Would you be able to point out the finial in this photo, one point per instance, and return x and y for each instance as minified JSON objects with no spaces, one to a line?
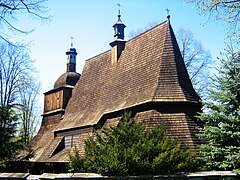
{"x":168,"y":15}
{"x":71,"y":41}
{"x":119,"y":12}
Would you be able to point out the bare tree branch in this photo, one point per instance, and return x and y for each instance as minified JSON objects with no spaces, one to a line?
{"x":197,"y":60}
{"x":18,"y":87}
{"x":10,"y":10}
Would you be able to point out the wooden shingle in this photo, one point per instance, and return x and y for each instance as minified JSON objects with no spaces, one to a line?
{"x":150,"y":69}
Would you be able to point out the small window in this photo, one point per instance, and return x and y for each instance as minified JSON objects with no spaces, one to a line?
{"x":70,"y":140}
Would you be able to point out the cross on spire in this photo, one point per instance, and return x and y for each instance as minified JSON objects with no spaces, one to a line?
{"x":168,"y":13}
{"x":71,"y":41}
{"x":119,"y":12}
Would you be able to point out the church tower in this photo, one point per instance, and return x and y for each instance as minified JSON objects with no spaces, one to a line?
{"x":56,"y":100}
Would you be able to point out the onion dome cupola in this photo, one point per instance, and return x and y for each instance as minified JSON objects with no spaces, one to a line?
{"x":56,"y":100}
{"x":71,"y":76}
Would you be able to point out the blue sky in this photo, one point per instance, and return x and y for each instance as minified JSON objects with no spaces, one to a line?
{"x":90,"y":24}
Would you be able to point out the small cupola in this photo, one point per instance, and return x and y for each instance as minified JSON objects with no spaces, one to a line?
{"x":119,"y":28}
{"x":71,"y":59}
{"x":118,"y":44}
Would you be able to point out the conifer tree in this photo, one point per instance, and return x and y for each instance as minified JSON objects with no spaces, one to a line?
{"x":9,"y":144}
{"x":221,"y":132}
{"x":130,"y":149}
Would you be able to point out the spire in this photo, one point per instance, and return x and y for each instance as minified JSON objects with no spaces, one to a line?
{"x":119,"y":27}
{"x":71,"y":58}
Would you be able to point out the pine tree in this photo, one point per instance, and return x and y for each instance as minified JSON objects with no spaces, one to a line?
{"x":8,"y":127}
{"x":130,"y":149}
{"x":221,"y":131}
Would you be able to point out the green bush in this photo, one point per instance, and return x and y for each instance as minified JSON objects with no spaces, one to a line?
{"x":75,"y":162}
{"x":130,"y":149}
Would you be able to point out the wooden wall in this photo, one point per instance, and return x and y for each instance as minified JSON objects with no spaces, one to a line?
{"x":57,"y":99}
{"x":53,"y":101}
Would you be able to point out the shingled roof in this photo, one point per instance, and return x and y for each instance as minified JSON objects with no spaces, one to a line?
{"x":150,"y":69}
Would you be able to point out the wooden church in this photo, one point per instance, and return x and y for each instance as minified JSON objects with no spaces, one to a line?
{"x":145,"y":75}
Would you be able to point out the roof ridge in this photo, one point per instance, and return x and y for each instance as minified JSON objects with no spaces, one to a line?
{"x":98,"y":55}
{"x":147,"y":30}
{"x":164,"y":41}
{"x":190,"y":93}
{"x":129,"y":40}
